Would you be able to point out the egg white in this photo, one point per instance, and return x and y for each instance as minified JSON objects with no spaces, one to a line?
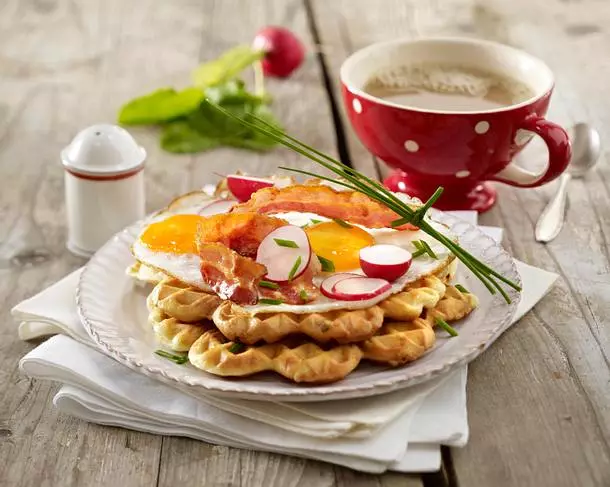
{"x":186,"y":267}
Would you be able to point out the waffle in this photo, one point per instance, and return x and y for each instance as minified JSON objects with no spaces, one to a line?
{"x":343,"y":326}
{"x":454,"y":306}
{"x":184,"y":302}
{"x":174,"y":334}
{"x":297,"y":361}
{"x":409,"y":304}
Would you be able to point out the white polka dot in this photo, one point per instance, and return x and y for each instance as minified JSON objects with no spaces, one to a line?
{"x":357,"y":105}
{"x":462,"y":174}
{"x":411,"y":146}
{"x":522,"y":137}
{"x":481,"y":127}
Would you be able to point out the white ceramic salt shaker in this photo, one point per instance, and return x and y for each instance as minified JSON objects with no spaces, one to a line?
{"x":104,"y":182}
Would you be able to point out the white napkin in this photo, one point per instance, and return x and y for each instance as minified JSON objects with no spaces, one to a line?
{"x":370,"y":434}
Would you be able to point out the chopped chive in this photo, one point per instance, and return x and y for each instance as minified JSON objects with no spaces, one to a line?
{"x":446,"y":326}
{"x":269,"y":284}
{"x":237,"y":347}
{"x":305,"y":226}
{"x":295,"y":268}
{"x":286,"y":243}
{"x":179,"y":359}
{"x":270,"y":301}
{"x":417,"y":253}
{"x":343,"y":223}
{"x":461,"y":288}
{"x":417,"y":244}
{"x":303,"y":295}
{"x":314,"y":221}
{"x":327,"y":265}
{"x":428,"y":249}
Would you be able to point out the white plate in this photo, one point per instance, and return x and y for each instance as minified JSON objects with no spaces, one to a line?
{"x":113,"y":310}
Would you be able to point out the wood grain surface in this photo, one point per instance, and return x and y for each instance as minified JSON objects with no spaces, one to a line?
{"x":539,"y":399}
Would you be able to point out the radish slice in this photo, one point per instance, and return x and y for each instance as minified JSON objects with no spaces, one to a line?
{"x":385,"y":261}
{"x":359,"y":288}
{"x":284,"y":52}
{"x":242,"y":187}
{"x":217,"y":207}
{"x":328,"y":284}
{"x":285,"y":253}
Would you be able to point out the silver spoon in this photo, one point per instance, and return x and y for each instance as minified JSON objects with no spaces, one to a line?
{"x":585,"y":153}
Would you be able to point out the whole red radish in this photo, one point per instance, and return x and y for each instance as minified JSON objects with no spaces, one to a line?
{"x":242,"y":187}
{"x":284,"y":52}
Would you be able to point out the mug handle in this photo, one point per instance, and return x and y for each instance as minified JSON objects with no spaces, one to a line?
{"x":560,"y":152}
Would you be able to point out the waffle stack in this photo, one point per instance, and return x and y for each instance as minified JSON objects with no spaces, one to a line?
{"x":225,"y":339}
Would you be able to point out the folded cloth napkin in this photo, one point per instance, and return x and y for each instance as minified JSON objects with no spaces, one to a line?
{"x":400,"y":431}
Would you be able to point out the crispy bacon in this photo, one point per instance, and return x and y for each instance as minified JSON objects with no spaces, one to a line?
{"x":229,"y":274}
{"x":242,"y":232}
{"x":351,"y":206}
{"x":291,"y":292}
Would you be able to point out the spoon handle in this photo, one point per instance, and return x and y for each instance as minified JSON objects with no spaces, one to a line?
{"x":551,"y":220}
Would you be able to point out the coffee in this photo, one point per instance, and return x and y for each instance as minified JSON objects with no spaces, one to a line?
{"x":446,"y":87}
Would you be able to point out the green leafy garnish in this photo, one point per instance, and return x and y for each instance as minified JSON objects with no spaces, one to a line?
{"x":422,"y":248}
{"x":229,"y":65}
{"x":446,"y":326}
{"x":181,"y":138}
{"x":461,"y":288}
{"x":315,"y":222}
{"x":327,"y":265}
{"x":286,"y":243}
{"x":303,"y":295}
{"x":356,"y":181}
{"x":417,"y":253}
{"x":160,"y":106}
{"x":269,"y":284}
{"x":342,"y":223}
{"x":270,"y":301}
{"x":295,"y":268}
{"x":236,"y":347}
{"x":179,"y":359}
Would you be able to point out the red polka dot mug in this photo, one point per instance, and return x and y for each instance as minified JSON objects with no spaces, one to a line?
{"x":458,"y":150}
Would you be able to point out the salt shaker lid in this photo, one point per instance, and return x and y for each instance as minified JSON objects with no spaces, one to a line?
{"x":104,"y":150}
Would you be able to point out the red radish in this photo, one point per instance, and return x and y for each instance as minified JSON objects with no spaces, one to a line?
{"x":359,"y":288}
{"x":329,"y":283}
{"x":217,"y":207}
{"x":242,"y":187}
{"x":385,"y":261}
{"x":284,"y":52}
{"x":285,"y":253}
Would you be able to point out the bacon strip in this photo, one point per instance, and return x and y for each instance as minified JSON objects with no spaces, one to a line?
{"x":351,"y":206}
{"x":241,"y":232}
{"x":229,"y":274}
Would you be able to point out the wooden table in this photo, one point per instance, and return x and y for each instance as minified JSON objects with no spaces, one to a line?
{"x":538,"y":400}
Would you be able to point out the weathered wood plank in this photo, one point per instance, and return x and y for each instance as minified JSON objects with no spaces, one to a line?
{"x":65,"y":66}
{"x":544,"y":386}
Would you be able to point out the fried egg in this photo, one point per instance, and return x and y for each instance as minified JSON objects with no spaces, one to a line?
{"x":168,"y":244}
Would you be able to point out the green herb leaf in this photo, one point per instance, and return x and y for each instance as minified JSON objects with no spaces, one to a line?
{"x":270,"y":301}
{"x":227,"y":66}
{"x":428,"y":250}
{"x":417,"y":244}
{"x":237,"y":347}
{"x":181,"y":138}
{"x":286,"y":243}
{"x":233,"y":92}
{"x":315,"y":222}
{"x":446,"y":326}
{"x":269,"y":284}
{"x":461,"y":288}
{"x":303,"y":295}
{"x":179,"y":359}
{"x":327,"y":265}
{"x":342,"y":223}
{"x":295,"y":268}
{"x":417,"y":253}
{"x":160,"y":106}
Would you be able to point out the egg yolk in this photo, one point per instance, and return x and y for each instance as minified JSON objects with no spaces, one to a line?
{"x":176,"y":234}
{"x":339,"y":244}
